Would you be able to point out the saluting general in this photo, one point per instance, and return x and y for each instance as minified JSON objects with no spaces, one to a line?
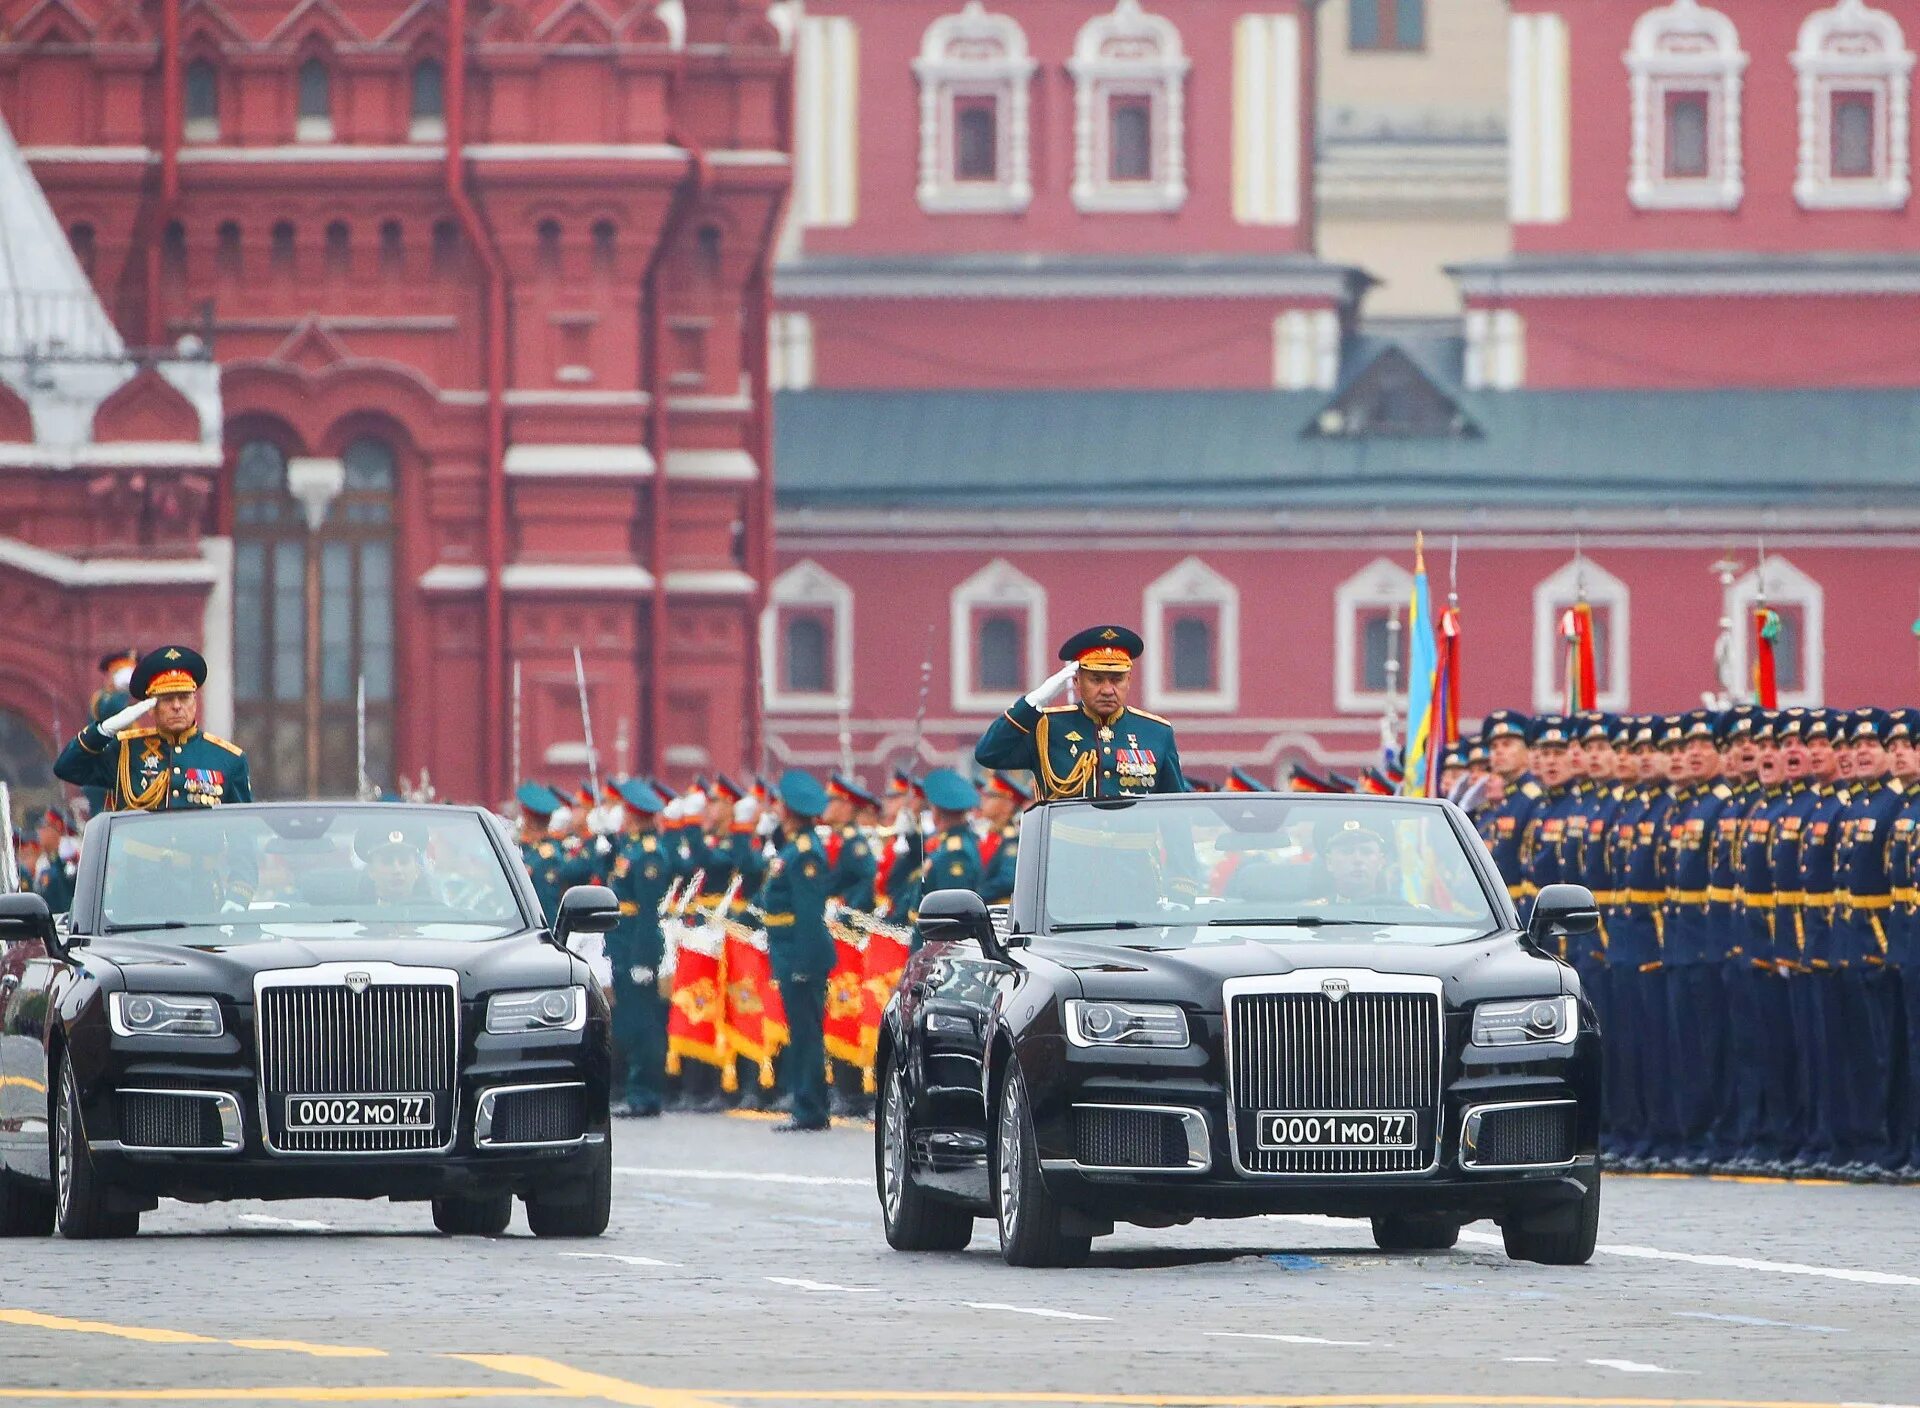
{"x":1097,"y":746}
{"x":166,"y":764}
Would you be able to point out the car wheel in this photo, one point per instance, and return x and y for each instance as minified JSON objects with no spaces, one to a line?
{"x":914,"y":1221}
{"x":26,"y":1210}
{"x":581,"y":1210}
{"x":81,"y":1196}
{"x":484,"y":1216}
{"x":1409,"y":1232}
{"x":1564,"y":1237}
{"x":1029,"y":1218}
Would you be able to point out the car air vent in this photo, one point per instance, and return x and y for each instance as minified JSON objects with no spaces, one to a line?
{"x":1113,"y":1138}
{"x":150,"y":1119}
{"x":556,"y":1115}
{"x":1519,"y":1135}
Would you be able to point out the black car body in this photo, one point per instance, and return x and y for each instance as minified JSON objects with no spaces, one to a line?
{"x":328,"y":1044}
{"x":1329,"y":1065}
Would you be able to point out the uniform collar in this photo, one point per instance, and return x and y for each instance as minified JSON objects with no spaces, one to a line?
{"x":1103,"y":723}
{"x":176,"y":740}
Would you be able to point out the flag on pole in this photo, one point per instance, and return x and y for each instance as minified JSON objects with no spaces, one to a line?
{"x":1444,"y":731}
{"x":1422,"y":663}
{"x":1576,"y":630}
{"x":1766,"y":630}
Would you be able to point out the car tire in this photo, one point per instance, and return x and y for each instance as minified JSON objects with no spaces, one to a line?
{"x":82,"y":1199}
{"x":1566,"y":1237}
{"x":26,"y":1210}
{"x":1411,"y":1232}
{"x":484,"y":1216}
{"x":586,"y":1211}
{"x":1029,"y":1217}
{"x":914,"y":1221}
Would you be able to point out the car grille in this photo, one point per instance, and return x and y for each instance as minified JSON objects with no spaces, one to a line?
{"x":555,"y":1115}
{"x":1303,"y":1051}
{"x":1523,"y":1134}
{"x":1110,"y":1138}
{"x":151,"y":1120}
{"x":391,"y":1039}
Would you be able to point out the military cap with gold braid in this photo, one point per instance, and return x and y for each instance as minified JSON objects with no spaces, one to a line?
{"x":1112,"y":648}
{"x":172,"y":669}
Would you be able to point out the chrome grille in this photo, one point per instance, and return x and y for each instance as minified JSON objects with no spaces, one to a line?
{"x":1303,"y":1051}
{"x":1105,"y":1137}
{"x":396,"y":1037}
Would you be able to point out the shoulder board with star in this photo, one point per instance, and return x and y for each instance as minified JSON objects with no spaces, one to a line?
{"x":1894,"y":784}
{"x":1142,"y":713}
{"x":1061,"y":709}
{"x":219,"y":742}
{"x":127,"y":734}
{"x":1531,"y":789}
{"x":1722,"y":791}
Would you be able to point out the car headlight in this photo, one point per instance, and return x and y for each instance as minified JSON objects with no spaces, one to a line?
{"x":154,"y":1014}
{"x":1125,"y":1024}
{"x":1539,"y":1019}
{"x":549,"y":1010}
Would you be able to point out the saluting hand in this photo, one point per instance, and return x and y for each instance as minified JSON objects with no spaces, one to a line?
{"x":1054,"y":684}
{"x":113,"y":723}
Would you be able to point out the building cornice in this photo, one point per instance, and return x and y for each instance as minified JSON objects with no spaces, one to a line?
{"x":1060,"y":276}
{"x":1684,"y":274}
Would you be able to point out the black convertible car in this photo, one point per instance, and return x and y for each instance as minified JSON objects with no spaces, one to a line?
{"x":302,"y":1001}
{"x":1229,"y":1005}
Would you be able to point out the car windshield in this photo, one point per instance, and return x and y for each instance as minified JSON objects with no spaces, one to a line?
{"x":1267,"y":868}
{"x":313,"y":871}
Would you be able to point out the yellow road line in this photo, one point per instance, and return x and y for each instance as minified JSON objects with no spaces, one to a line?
{"x":36,"y":1320}
{"x":1193,"y":1400}
{"x":318,"y":1351}
{"x":370,"y":1393}
{"x":755,"y":1115}
{"x":27,"y":1081}
{"x":582,"y":1384}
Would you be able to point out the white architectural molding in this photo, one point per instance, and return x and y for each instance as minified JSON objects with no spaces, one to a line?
{"x":1129,"y":53}
{"x":713,"y":466}
{"x":805,"y":585}
{"x":1382,"y":584}
{"x":997,"y":585}
{"x":579,"y":461}
{"x":1266,"y":120}
{"x":1539,"y":156}
{"x":722,"y":581}
{"x":1192,"y":583}
{"x":1306,"y":349}
{"x":974,"y":54}
{"x":1786,"y":585}
{"x":607,"y":578}
{"x":1552,"y":595}
{"x":1850,"y":48}
{"x":790,"y":351}
{"x":216,"y":638}
{"x":1496,"y":351}
{"x":66,"y":571}
{"x":453,"y":577}
{"x":1685,"y":48}
{"x":827,"y":122}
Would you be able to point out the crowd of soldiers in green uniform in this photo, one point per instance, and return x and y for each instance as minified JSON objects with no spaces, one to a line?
{"x":1757,"y":973}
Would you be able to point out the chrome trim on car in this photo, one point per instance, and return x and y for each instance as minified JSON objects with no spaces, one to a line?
{"x":1470,"y":1132}
{"x":232,"y":1130}
{"x":1326,"y":981}
{"x":483,"y":1118}
{"x":1192,"y":1122}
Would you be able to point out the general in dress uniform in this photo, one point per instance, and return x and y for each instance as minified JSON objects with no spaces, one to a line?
{"x":163,"y":762}
{"x":799,"y":945}
{"x":1097,"y":746}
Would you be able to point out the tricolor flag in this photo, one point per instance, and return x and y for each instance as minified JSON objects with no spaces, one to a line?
{"x":1422,"y":664}
{"x":1576,"y":630}
{"x":1766,"y":630}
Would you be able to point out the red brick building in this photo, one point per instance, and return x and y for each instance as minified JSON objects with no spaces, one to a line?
{"x":485,"y":285}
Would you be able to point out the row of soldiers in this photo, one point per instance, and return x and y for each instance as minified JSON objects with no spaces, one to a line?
{"x":817,"y":884}
{"x":1757,"y":971}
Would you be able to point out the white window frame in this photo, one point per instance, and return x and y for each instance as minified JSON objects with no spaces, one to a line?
{"x":1306,"y":350}
{"x":1552,"y":595}
{"x":974,"y":54}
{"x":1192,"y":583}
{"x":1381,"y":583}
{"x":1683,"y":48}
{"x":998,"y":586}
{"x":1151,"y":63}
{"x":808,"y":586}
{"x":1851,"y":48}
{"x":790,"y":351}
{"x":1786,"y":584}
{"x":1496,"y":357}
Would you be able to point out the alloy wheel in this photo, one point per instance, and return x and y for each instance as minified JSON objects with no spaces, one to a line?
{"x":1012,"y":1120}
{"x":63,"y":1149}
{"x":893,"y":1148}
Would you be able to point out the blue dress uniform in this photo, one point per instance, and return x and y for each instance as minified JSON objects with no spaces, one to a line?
{"x":1694,"y":1013}
{"x":546,"y":859}
{"x":1073,"y":754}
{"x":147,"y":770}
{"x":1505,"y":825}
{"x":1869,"y":997}
{"x":1903,"y":929}
{"x":1545,"y":850}
{"x":1588,"y":861}
{"x":643,"y":872}
{"x":1727,"y":933}
{"x":1757,"y":1028}
{"x":1636,"y":1039}
{"x":794,"y":899}
{"x":1817,"y":1016}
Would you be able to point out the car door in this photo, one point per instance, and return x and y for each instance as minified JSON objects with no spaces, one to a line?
{"x":955,"y":997}
{"x":26,"y":977}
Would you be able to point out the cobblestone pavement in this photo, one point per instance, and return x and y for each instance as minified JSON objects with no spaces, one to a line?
{"x":745,"y":1268}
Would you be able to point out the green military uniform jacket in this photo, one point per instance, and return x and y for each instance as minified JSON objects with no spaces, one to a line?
{"x":854,"y":870}
{"x":643,"y":872}
{"x":554,"y":869}
{"x":794,"y":900}
{"x":145,"y":770}
{"x":53,"y":882}
{"x":1072,"y":754}
{"x":996,"y":877}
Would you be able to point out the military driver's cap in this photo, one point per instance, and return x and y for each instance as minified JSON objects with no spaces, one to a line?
{"x":1110,"y":648}
{"x":1551,"y":731}
{"x":840,"y":785}
{"x":1009,"y":786}
{"x":1866,"y":724}
{"x":537,"y":798}
{"x":172,"y":669}
{"x":1903,"y":724}
{"x":638,"y":796}
{"x":1349,"y":831}
{"x":114,"y":659}
{"x":1506,"y":723}
{"x":950,"y":792}
{"x":801,"y":794}
{"x":380,"y":837}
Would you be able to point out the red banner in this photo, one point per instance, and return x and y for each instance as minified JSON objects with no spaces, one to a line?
{"x":756,"y":1019}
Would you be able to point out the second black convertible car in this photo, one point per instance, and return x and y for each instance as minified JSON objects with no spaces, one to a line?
{"x":311,"y":1001}
{"x":1229,"y":1005}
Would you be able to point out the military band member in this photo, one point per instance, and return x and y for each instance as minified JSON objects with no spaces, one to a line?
{"x":58,"y":862}
{"x":1097,"y":746}
{"x":163,"y":762}
{"x":794,"y":899}
{"x":953,"y":856}
{"x":1002,"y":800}
{"x":903,"y":848}
{"x":643,"y":872}
{"x":851,"y":810}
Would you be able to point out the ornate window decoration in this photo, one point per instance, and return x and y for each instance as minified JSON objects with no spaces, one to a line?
{"x":1192,"y":640}
{"x":806,"y":642}
{"x":1799,"y":654}
{"x":975,"y":74}
{"x":1609,"y":598}
{"x":1129,"y":126}
{"x":1855,"y":74}
{"x":998,"y":637}
{"x":1364,"y":608}
{"x":1686,"y":66}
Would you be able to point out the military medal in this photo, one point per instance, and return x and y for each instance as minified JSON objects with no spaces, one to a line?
{"x":1106,"y":734}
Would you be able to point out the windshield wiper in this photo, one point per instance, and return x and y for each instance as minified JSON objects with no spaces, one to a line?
{"x":1298,"y":921}
{"x":1088,"y":926}
{"x":143,"y":928}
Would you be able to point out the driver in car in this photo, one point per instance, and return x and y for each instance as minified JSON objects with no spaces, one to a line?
{"x":1359,"y":866}
{"x":392,"y":852}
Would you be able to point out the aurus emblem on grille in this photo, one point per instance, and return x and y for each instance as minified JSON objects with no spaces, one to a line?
{"x":357,"y":982}
{"x":1334,"y":988}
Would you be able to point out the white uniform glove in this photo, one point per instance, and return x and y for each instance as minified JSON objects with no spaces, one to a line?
{"x":674,"y":811}
{"x":695,"y":803}
{"x":834,"y":911}
{"x":113,"y":723}
{"x":767,"y":825}
{"x":640,"y":976}
{"x":745,"y":810}
{"x":1055,"y":683}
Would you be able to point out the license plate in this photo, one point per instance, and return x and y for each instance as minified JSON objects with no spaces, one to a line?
{"x":1337,"y":1129}
{"x":308,"y":1112}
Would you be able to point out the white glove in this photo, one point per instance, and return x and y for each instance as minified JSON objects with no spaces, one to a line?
{"x":602,"y":846}
{"x":834,"y":910}
{"x":232,"y":907}
{"x":113,"y":723}
{"x":640,"y":976}
{"x":745,"y":810}
{"x":674,"y":811}
{"x":767,"y":825}
{"x":695,"y":802}
{"x":1055,"y":683}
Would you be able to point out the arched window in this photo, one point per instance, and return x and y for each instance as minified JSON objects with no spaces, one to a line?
{"x":806,"y":642}
{"x":1129,"y":74}
{"x":1365,"y":607}
{"x":1192,"y":637}
{"x":201,"y":102}
{"x":547,"y":246}
{"x":281,"y":251}
{"x":339,"y":247}
{"x":974,"y":73}
{"x":999,"y":653}
{"x":1609,"y":599}
{"x":226,"y":248}
{"x":1685,"y":64}
{"x":1855,"y":72}
{"x":1799,"y":651}
{"x":804,"y":660}
{"x":1194,"y":667}
{"x":998,"y":632}
{"x":429,"y":102}
{"x":314,"y":114}
{"x":269,"y":617}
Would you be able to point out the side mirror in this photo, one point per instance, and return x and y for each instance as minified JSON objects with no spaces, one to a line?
{"x":585,"y":909}
{"x":1562,"y":909}
{"x":960,"y":914}
{"x":24,"y":918}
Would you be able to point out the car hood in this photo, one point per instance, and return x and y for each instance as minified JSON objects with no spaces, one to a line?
{"x":1498,"y":966}
{"x":210,"y":961}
